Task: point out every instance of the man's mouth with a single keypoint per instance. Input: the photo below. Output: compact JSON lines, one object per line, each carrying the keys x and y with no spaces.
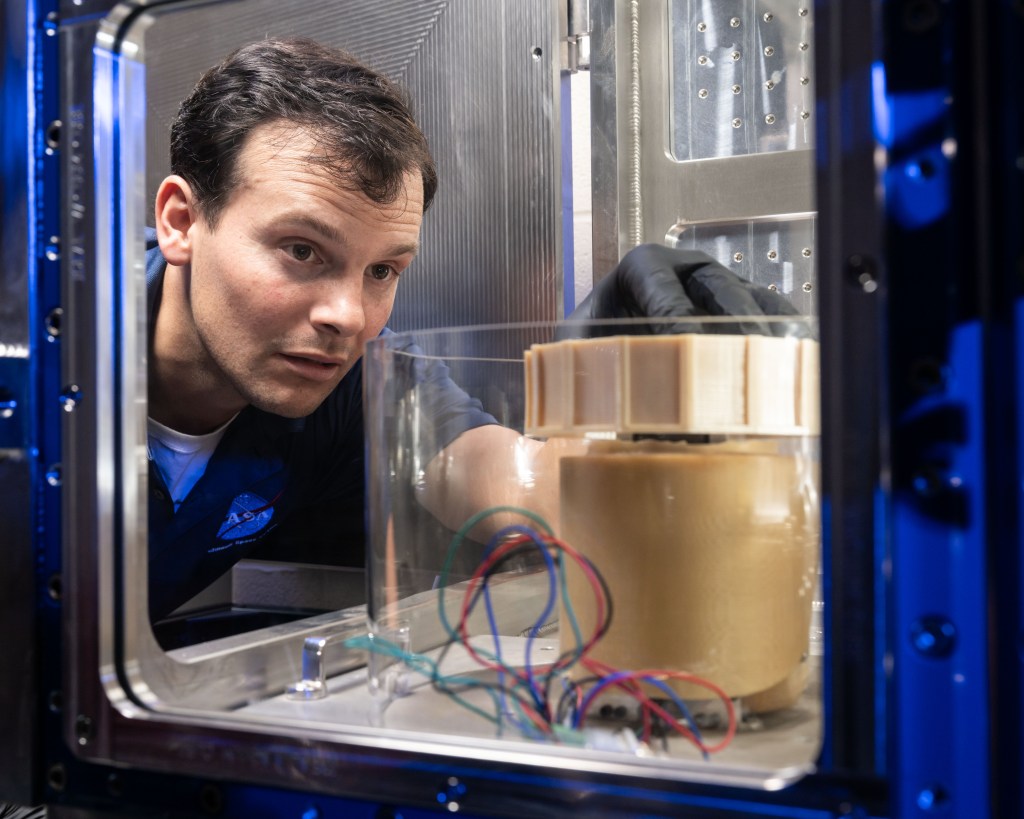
{"x":313,"y":367}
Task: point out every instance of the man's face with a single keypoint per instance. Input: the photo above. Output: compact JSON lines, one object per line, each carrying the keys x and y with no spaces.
{"x":297,"y":273}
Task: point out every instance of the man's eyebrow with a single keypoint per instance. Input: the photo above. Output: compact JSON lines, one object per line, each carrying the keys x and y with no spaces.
{"x":317,"y":225}
{"x":408,"y":248}
{"x":331,"y":233}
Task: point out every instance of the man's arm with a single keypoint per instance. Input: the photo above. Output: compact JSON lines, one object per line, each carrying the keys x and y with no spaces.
{"x":495,"y":466}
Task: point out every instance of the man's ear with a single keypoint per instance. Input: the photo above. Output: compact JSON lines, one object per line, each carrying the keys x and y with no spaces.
{"x":175,"y":216}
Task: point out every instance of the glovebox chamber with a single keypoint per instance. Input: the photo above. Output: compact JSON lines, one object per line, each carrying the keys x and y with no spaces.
{"x":620,"y":555}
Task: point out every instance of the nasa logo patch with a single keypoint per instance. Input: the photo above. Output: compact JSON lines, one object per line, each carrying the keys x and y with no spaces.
{"x":248,"y":514}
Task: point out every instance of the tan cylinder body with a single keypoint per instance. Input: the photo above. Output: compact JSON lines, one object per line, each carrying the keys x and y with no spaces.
{"x":710,"y":553}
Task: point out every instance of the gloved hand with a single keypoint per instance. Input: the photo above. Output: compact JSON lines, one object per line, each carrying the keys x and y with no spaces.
{"x":655,"y":281}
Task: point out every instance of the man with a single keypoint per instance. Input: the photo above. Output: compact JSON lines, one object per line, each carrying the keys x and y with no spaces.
{"x":299,"y":183}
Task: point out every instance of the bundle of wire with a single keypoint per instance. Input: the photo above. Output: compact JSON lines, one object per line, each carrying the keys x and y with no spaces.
{"x":523,"y":696}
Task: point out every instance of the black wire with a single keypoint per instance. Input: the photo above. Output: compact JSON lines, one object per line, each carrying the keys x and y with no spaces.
{"x":565,"y":660}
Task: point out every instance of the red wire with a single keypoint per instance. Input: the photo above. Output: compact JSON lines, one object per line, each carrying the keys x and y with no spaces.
{"x":467,"y":599}
{"x":635,"y":677}
{"x":595,"y":585}
{"x":496,"y":557}
{"x":634,"y":689}
{"x":661,"y":712}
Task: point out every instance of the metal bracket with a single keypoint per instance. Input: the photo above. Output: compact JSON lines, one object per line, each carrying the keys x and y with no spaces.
{"x":576,"y":37}
{"x":313,"y":685}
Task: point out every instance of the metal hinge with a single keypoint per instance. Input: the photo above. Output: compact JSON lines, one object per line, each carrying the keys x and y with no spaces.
{"x":576,"y":36}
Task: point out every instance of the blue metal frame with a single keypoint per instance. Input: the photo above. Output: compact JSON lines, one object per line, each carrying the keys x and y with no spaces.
{"x":923,"y":549}
{"x":951,"y":377}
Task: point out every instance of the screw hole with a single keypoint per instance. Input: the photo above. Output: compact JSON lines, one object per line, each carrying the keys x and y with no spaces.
{"x":57,"y":777}
{"x":83,"y":729}
{"x":926,"y":168}
{"x":927,"y":375}
{"x":52,"y":135}
{"x":54,"y":320}
{"x":115,"y":787}
{"x":932,"y":798}
{"x":211,"y":800}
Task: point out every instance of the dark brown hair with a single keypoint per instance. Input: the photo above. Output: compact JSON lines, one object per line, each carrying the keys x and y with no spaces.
{"x":361,"y":120}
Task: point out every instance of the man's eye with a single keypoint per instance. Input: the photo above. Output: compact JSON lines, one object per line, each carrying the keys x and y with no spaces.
{"x":382,"y":272}
{"x":302,"y":253}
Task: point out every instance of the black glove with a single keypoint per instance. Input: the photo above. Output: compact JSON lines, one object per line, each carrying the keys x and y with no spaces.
{"x":655,"y":281}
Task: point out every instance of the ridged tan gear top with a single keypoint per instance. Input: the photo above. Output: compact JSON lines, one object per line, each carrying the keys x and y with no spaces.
{"x":709,"y":550}
{"x":675,"y":384}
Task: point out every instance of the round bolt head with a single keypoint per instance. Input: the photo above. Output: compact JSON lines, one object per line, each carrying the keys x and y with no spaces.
{"x":933,"y":636}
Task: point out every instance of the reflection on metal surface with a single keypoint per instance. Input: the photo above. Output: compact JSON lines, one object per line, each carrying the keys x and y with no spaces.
{"x":770,"y":251}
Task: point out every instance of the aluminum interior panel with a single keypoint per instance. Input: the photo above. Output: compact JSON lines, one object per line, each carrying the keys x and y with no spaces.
{"x":484,"y":82}
{"x":724,"y":94}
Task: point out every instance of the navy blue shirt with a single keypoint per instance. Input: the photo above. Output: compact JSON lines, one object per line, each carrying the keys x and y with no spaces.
{"x":291,"y":489}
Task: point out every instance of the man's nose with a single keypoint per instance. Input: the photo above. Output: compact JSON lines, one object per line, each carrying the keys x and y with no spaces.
{"x":338,"y":308}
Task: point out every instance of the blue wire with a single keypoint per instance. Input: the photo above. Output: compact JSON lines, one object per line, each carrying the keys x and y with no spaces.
{"x":672,"y":695}
{"x":620,"y":675}
{"x":541,"y":620}
{"x":493,"y":621}
{"x":569,"y":611}
{"x":593,"y":692}
{"x":537,"y":694}
{"x":556,"y":582}
{"x":456,"y":543}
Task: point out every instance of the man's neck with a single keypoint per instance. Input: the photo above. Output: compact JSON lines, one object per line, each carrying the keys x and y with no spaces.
{"x":189,"y":411}
{"x":186,"y":392}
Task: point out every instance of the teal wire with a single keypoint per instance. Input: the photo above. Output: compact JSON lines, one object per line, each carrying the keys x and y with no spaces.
{"x":419,"y":662}
{"x":456,"y":544}
{"x":445,"y":683}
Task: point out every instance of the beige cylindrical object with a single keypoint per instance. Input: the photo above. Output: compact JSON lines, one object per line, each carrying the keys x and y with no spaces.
{"x":710,"y":554}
